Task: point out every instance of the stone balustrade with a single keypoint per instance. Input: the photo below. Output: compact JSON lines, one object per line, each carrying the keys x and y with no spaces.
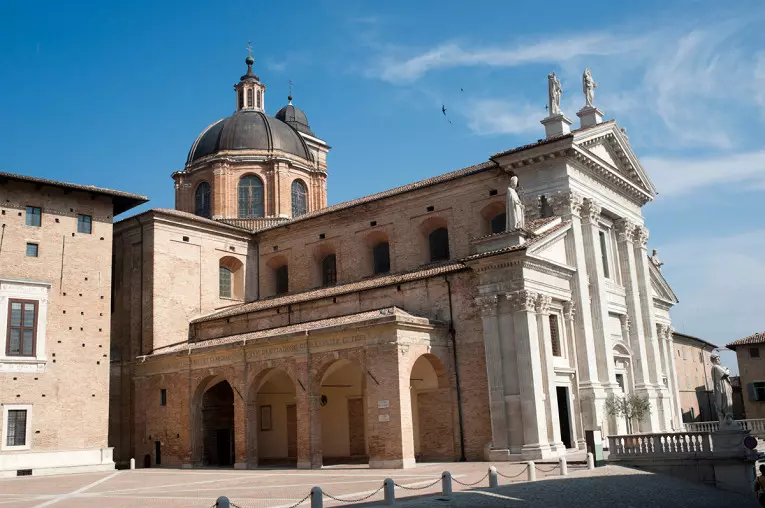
{"x":664,"y":445}
{"x":755,"y":426}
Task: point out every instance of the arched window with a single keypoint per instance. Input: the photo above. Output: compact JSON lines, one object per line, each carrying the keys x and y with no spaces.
{"x":498,"y":223}
{"x":224,"y":282}
{"x":329,"y":270}
{"x":260,"y":99}
{"x":381,"y":257}
{"x":299,"y":201}
{"x":202,"y":200}
{"x":439,"y":244}
{"x":251,"y":197}
{"x":241,"y":98}
{"x":249,"y":98}
{"x":282,"y":280}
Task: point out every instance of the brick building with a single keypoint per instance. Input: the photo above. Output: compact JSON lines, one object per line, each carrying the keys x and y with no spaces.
{"x":55,"y":272}
{"x":693,"y":360}
{"x":750,"y":354}
{"x":255,"y":325}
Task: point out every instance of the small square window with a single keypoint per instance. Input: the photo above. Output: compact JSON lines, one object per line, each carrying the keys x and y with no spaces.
{"x":34,"y":216}
{"x":32,"y":249}
{"x":754,"y":352}
{"x":84,"y":224}
{"x":163,"y":397}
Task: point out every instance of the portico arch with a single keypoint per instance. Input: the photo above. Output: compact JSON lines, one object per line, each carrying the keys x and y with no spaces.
{"x":343,"y":409}
{"x":213,"y":423}
{"x":432,"y":421}
{"x":272,"y":419}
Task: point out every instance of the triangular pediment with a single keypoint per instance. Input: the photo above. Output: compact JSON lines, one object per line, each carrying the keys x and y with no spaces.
{"x":552,"y":249}
{"x":659,"y":286}
{"x":608,"y":145}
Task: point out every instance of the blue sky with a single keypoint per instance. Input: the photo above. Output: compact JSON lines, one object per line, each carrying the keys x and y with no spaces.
{"x":113,"y":94}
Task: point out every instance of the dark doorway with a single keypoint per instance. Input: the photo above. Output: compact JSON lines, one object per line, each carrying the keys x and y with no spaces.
{"x":223,"y":438}
{"x":158,"y":453}
{"x":147,"y":460}
{"x":564,"y":416}
{"x":218,"y":425}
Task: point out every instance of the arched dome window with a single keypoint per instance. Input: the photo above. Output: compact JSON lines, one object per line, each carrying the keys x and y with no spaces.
{"x":299,"y":198}
{"x":249,"y":98}
{"x":202,"y":200}
{"x":251,"y":197}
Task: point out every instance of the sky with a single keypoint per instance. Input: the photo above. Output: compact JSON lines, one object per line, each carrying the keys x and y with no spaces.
{"x":113,"y":94}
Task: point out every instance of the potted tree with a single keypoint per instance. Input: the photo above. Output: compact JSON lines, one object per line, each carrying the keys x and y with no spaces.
{"x":632,"y":407}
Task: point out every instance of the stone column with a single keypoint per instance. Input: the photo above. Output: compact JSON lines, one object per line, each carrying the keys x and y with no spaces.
{"x":308,"y":412}
{"x":665,"y":333}
{"x":240,"y":430}
{"x":494,"y":372}
{"x":548,"y":372}
{"x":570,"y":327}
{"x":648,"y":318}
{"x":569,"y":206}
{"x":536,"y":443}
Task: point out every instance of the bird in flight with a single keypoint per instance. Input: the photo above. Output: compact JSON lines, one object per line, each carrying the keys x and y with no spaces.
{"x":443,"y":109}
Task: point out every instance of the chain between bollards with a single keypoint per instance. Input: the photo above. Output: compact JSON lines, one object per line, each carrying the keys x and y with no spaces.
{"x":471,"y":484}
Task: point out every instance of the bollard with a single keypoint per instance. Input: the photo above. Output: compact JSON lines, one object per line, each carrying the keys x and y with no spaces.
{"x":390,"y":492}
{"x":493,"y":478}
{"x":532,"y":472}
{"x":563,"y":466}
{"x":317,"y":497}
{"x":590,"y":461}
{"x":222,"y":502}
{"x":132,"y":463}
{"x":446,"y":483}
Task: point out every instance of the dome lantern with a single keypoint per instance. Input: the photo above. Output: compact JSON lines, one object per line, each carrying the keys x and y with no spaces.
{"x":250,"y":92}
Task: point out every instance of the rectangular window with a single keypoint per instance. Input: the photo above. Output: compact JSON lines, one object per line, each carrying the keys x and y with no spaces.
{"x":34,"y":216}
{"x":555,"y":335}
{"x":16,"y":434}
{"x":757,"y":391}
{"x":224,"y":282}
{"x":22,"y":328}
{"x":282,"y":280}
{"x":604,"y":254}
{"x":32,"y":250}
{"x":620,"y":381}
{"x":163,"y":397}
{"x":84,"y":224}
{"x":754,"y":352}
{"x":683,"y":353}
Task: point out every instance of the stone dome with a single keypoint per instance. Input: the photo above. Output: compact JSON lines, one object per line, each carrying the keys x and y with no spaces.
{"x":295,"y":117}
{"x":249,"y":129}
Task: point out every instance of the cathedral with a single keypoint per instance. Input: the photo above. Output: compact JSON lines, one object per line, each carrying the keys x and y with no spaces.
{"x":482,"y":314}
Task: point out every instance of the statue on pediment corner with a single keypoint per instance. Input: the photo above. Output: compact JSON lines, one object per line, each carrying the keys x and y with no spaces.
{"x":588,"y":87}
{"x":554,"y":91}
{"x":654,"y":257}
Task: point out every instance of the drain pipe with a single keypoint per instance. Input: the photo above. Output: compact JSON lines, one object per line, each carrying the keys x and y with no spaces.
{"x":452,"y":334}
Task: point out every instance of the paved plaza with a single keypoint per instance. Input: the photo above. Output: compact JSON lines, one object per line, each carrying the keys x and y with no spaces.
{"x":608,"y":486}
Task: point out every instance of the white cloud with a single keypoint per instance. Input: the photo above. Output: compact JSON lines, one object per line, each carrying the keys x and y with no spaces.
{"x":682,"y":175}
{"x":489,"y":116}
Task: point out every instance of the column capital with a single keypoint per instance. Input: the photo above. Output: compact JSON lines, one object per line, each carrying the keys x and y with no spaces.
{"x":543,"y":303}
{"x":624,"y":229}
{"x":569,"y":310}
{"x":566,"y":203}
{"x":522,"y":300}
{"x":487,"y":304}
{"x":590,"y":210}
{"x":625,"y":321}
{"x":665,"y":331}
{"x":641,"y":236}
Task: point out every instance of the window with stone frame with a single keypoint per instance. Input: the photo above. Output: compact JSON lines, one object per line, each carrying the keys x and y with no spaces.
{"x":329,"y":270}
{"x":241,"y":98}
{"x":85,"y":224}
{"x":754,"y":352}
{"x":34,"y":216}
{"x":251,"y":197}
{"x":604,"y":254}
{"x":250,"y":98}
{"x":16,"y":428}
{"x":757,"y":391}
{"x":282,"y":280}
{"x":224,"y":282}
{"x":555,"y":336}
{"x":202,"y":201}
{"x":299,"y":194}
{"x":32,"y":250}
{"x":381,"y":258}
{"x":438,"y":241}
{"x":260,"y":99}
{"x":22,"y":328}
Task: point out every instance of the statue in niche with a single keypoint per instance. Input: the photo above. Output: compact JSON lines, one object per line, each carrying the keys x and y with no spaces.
{"x":514,"y":216}
{"x":554,"y":92}
{"x":655,"y":259}
{"x":722,"y":389}
{"x":588,"y":87}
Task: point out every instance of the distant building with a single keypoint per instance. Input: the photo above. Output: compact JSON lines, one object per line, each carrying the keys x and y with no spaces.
{"x":693,"y":361}
{"x":55,"y":273}
{"x":750,"y":353}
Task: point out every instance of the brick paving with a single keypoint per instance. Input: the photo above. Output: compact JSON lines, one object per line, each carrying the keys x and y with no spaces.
{"x":148,"y":488}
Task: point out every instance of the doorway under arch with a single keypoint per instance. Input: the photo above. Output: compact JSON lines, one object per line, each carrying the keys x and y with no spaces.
{"x":343,"y":414}
{"x":273,"y":419}
{"x":432,"y":421}
{"x":218,"y":425}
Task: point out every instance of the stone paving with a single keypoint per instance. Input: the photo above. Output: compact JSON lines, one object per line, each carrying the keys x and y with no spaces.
{"x":147,"y":488}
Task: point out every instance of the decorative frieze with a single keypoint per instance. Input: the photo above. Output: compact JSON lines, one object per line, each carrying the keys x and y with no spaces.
{"x":522,"y":301}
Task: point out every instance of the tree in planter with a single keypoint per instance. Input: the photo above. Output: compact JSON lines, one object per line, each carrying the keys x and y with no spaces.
{"x":632,"y":407}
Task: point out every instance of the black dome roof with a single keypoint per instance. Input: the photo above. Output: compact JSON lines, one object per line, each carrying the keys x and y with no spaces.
{"x":295,"y":117}
{"x":249,"y":129}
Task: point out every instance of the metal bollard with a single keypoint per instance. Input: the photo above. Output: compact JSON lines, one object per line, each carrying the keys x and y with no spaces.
{"x":317,"y":497}
{"x":390,"y":492}
{"x":590,"y":461}
{"x":563,"y":466}
{"x":532,"y":472}
{"x":446,"y":483}
{"x":493,"y":478}
{"x":222,"y":502}
{"x":132,"y":463}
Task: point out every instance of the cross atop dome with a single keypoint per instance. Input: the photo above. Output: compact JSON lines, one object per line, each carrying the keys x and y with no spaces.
{"x":250,"y":92}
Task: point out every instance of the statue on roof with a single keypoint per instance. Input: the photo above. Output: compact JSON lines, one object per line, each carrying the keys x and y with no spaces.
{"x":654,"y":258}
{"x":554,"y":92}
{"x":588,"y":87}
{"x":514,"y":216}
{"x":723,"y":390}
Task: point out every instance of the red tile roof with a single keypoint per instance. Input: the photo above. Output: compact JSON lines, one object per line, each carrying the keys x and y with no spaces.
{"x":757,"y":338}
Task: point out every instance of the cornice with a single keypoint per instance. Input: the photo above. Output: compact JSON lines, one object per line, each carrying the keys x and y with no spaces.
{"x":597,"y":168}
